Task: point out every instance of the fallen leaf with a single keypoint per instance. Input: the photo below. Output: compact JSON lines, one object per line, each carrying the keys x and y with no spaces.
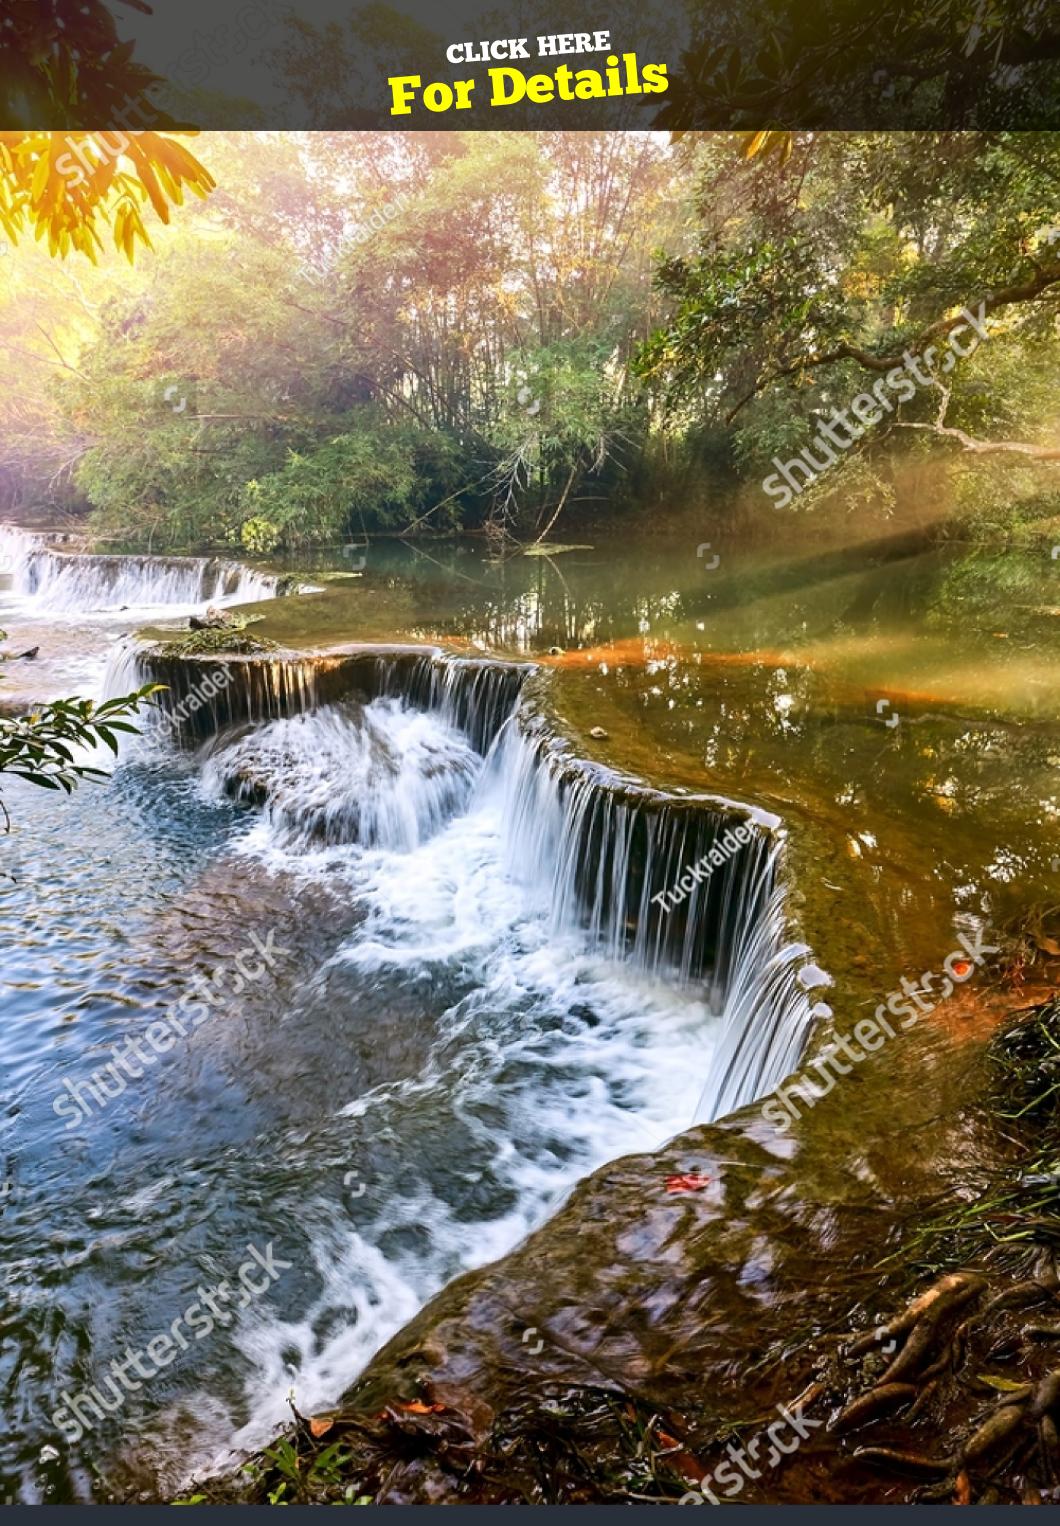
{"x":690,"y":1183}
{"x":417,"y":1407}
{"x":962,"y":1492}
{"x":319,"y":1425}
{"x":682,"y":1462}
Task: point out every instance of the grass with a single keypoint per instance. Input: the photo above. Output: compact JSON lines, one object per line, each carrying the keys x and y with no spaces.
{"x":1008,"y":1211}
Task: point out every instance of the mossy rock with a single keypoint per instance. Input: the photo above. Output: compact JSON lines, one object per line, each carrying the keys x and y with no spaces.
{"x":215,"y":641}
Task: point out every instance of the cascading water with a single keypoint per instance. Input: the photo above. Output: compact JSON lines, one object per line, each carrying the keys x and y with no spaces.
{"x":603,"y":852}
{"x":480,"y":1001}
{"x":769,"y":1008}
{"x":61,"y":582}
{"x":382,"y":774}
{"x":341,"y":752}
{"x":204,"y":697}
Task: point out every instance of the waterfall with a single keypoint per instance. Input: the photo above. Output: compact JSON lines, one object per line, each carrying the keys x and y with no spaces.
{"x":600,"y":847}
{"x":15,"y":547}
{"x":205,"y":696}
{"x":768,"y":1013}
{"x":334,"y":749}
{"x":71,"y":582}
{"x":382,"y":775}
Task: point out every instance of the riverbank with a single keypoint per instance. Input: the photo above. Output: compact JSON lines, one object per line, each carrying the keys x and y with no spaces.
{"x":743,"y":1315}
{"x":457,"y":787}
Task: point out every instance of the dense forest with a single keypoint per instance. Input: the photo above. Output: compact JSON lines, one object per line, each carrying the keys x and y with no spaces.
{"x":502,"y":332}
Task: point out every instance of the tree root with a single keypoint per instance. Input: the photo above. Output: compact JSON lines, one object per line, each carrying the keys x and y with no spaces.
{"x":1019,"y":1296}
{"x":923,"y":1330}
{"x":1006,"y":1419}
{"x":1021,"y":1423}
{"x":1046,"y":1395}
{"x":905,"y":1462}
{"x":876,"y":1402}
{"x":947,"y":1288}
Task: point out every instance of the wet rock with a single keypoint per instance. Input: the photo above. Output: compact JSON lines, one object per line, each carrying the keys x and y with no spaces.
{"x":213,"y":619}
{"x":637,"y":1301}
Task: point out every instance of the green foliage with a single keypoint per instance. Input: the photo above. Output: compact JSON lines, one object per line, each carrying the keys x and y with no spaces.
{"x":213,"y":641}
{"x":331,"y":342}
{"x":465,"y":332}
{"x":986,"y":62}
{"x":259,"y":534}
{"x":370,"y":476}
{"x":852,"y":251}
{"x":287,"y":1475}
{"x":566,"y":412}
{"x":42,"y":747}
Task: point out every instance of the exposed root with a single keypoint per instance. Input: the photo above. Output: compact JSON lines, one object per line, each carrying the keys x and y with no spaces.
{"x":1047,"y":1395}
{"x":1020,"y":1296}
{"x":953,"y":1335}
{"x":906,"y":1462}
{"x":924,"y":1331}
{"x":876,"y":1402}
{"x":993,"y":1432}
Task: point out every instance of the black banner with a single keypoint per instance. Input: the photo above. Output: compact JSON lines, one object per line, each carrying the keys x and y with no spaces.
{"x":671,"y":65}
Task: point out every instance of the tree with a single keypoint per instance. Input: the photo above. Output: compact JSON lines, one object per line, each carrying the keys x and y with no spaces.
{"x":851,"y":64}
{"x":49,"y":182}
{"x":67,"y":187}
{"x":64,"y":62}
{"x":376,"y":303}
{"x":819,"y":270}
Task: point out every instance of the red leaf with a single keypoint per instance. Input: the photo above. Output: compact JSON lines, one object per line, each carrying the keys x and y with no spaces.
{"x":690,"y":1183}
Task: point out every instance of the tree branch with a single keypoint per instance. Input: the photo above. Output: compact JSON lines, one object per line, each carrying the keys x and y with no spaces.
{"x":1043,"y":278}
{"x":980,"y":447}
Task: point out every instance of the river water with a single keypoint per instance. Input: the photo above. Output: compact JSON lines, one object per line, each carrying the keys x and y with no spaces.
{"x":427,"y":1061}
{"x":420,"y":1074}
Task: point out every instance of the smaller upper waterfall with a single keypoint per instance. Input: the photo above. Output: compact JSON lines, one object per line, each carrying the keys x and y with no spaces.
{"x":73,"y":582}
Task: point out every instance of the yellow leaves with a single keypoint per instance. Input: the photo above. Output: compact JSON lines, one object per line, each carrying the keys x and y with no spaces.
{"x":764,"y":143}
{"x":128,"y":227}
{"x":68,"y":187}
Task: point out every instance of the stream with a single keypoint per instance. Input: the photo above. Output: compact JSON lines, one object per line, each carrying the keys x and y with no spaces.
{"x":466,"y":1003}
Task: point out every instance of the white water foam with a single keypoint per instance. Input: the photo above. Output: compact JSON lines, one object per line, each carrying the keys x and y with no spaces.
{"x":555,"y":1058}
{"x":378,"y":774}
{"x":66,"y":583}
